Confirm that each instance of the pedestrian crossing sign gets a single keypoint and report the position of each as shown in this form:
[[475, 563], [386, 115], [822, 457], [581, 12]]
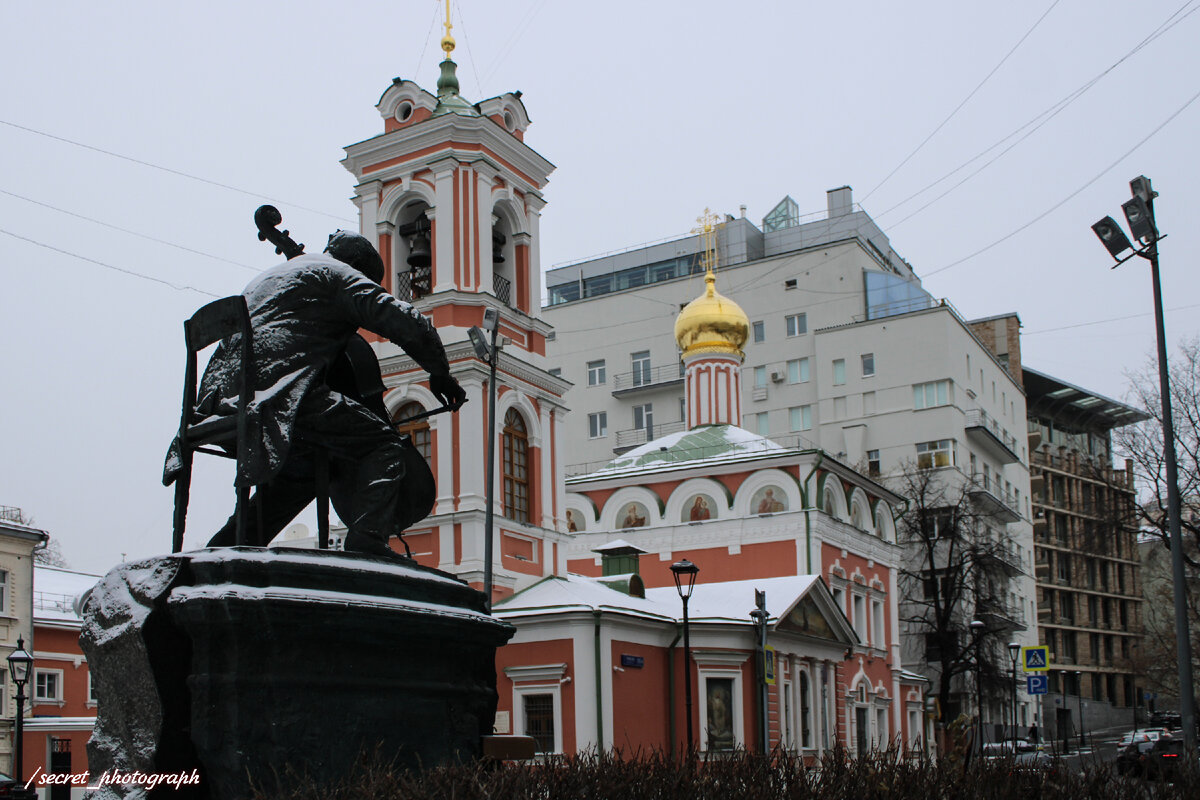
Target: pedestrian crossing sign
[[1035, 659]]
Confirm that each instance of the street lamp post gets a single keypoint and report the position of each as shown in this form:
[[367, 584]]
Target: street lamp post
[[1014, 651], [19, 664], [489, 353], [977, 627], [1079, 696], [685, 580], [1139, 211]]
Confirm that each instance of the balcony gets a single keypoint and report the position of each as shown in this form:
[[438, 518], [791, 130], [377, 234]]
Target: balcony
[[640, 380], [629, 439], [1006, 558], [985, 431], [1000, 614], [991, 499]]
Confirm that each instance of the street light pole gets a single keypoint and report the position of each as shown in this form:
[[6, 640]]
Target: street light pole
[[488, 352], [19, 664], [685, 580], [1014, 651], [976, 627], [1139, 211], [1079, 696]]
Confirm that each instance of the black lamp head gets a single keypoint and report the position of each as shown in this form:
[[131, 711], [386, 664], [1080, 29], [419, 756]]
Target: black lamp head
[[1110, 233], [1141, 221]]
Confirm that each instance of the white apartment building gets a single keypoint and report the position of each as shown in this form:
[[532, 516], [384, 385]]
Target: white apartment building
[[847, 354]]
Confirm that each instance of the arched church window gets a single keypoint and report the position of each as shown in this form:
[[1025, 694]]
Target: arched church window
[[419, 430], [516, 467]]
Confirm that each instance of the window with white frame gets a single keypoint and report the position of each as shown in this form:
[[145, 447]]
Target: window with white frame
[[760, 377], [596, 373], [640, 366], [797, 370], [800, 418], [789, 707], [860, 617], [760, 333], [797, 324], [839, 597], [932, 394], [916, 741], [882, 731], [47, 685], [92, 697], [873, 463], [878, 633], [721, 712], [762, 424], [537, 704], [3, 692], [931, 455], [806, 711], [868, 364], [4, 591], [537, 716], [839, 371], [598, 425], [643, 419]]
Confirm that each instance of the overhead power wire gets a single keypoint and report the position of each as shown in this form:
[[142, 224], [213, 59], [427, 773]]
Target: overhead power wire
[[965, 100], [130, 232], [1062, 202], [1108, 320], [466, 40], [180, 173], [1038, 121], [106, 265], [514, 37], [437, 5]]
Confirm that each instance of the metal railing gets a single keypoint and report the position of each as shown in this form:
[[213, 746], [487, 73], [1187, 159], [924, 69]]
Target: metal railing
[[635, 436], [647, 377], [978, 418], [413, 284], [502, 288]]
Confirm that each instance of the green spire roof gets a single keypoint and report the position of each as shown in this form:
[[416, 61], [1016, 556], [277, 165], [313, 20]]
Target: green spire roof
[[449, 100]]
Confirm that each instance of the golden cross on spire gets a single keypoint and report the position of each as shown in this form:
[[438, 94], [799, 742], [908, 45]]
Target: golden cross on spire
[[708, 240], [448, 40]]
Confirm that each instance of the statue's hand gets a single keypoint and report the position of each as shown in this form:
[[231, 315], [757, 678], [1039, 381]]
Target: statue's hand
[[447, 390]]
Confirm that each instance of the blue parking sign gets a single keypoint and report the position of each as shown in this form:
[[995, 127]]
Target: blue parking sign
[[1036, 684]]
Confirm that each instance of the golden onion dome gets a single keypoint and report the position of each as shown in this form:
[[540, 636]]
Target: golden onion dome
[[712, 324]]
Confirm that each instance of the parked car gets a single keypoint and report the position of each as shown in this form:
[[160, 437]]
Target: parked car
[[1165, 759], [11, 788]]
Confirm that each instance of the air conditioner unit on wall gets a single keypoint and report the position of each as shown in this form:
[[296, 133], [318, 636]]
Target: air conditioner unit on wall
[[777, 377]]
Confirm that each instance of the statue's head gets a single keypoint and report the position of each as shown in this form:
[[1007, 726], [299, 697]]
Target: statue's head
[[358, 252]]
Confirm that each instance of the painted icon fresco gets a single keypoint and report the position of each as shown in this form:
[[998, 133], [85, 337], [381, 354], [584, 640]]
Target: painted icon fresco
[[698, 508], [768, 500], [575, 521], [632, 515]]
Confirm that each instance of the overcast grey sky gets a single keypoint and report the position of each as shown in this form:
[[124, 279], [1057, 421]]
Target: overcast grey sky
[[651, 112]]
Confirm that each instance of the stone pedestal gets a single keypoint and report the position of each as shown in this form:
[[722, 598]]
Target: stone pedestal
[[247, 664]]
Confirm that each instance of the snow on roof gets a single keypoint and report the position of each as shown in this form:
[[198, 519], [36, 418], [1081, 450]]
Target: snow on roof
[[734, 600], [55, 591], [727, 601], [579, 593], [707, 443]]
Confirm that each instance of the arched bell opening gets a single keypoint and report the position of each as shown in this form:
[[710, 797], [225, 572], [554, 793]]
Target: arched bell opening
[[413, 252], [504, 261]]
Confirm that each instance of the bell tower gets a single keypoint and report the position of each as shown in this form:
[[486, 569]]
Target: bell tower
[[452, 196]]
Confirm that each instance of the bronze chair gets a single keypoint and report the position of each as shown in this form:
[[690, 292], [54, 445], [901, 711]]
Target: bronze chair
[[224, 436]]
